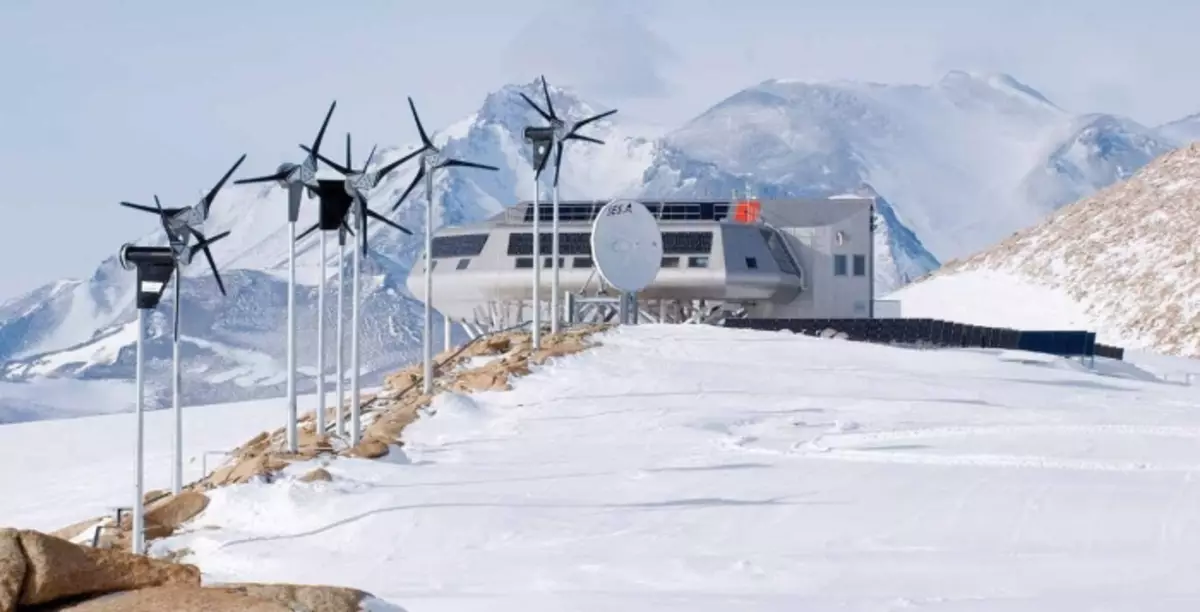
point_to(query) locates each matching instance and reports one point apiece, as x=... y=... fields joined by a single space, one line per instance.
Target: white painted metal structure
x=804 y=258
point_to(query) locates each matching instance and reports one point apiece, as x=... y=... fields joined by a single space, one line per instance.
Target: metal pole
x=427 y=335
x=554 y=313
x=291 y=339
x=321 y=341
x=176 y=378
x=537 y=264
x=355 y=430
x=340 y=425
x=138 y=534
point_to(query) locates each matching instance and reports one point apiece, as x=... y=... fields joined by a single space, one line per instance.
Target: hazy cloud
x=601 y=46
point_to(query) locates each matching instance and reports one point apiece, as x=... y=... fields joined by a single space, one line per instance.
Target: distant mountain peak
x=998 y=81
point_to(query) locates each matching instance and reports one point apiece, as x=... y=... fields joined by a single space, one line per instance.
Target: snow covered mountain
x=1123 y=261
x=968 y=160
x=957 y=165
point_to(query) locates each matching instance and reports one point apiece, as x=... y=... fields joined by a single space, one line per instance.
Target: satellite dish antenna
x=627 y=245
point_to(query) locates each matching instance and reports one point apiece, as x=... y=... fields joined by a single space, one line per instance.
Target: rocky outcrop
x=37 y=569
x=49 y=574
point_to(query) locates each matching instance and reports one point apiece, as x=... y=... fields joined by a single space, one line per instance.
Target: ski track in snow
x=696 y=468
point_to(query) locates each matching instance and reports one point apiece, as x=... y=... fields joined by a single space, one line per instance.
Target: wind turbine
x=180 y=227
x=562 y=133
x=155 y=265
x=297 y=178
x=353 y=199
x=431 y=160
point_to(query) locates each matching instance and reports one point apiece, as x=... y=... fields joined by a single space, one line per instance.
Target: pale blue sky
x=105 y=100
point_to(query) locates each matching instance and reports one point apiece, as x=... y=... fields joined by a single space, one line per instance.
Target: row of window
x=839 y=265
x=586 y=262
x=580 y=243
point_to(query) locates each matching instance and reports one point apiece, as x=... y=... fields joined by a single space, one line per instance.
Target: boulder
x=57 y=569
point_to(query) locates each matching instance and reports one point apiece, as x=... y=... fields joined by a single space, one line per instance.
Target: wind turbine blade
x=388 y=222
x=370 y=158
x=450 y=163
x=141 y=208
x=392 y=166
x=535 y=106
x=349 y=160
x=413 y=185
x=549 y=104
x=316 y=147
x=558 y=163
x=420 y=128
x=202 y=244
x=213 y=264
x=593 y=118
x=583 y=138
x=328 y=162
x=308 y=231
x=208 y=199
x=271 y=178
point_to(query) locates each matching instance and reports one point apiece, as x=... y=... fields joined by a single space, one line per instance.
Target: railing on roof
x=587 y=211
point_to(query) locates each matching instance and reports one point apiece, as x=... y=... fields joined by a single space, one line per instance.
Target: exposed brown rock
x=150 y=497
x=12 y=569
x=176 y=599
x=57 y=569
x=300 y=597
x=369 y=448
x=317 y=475
x=175 y=510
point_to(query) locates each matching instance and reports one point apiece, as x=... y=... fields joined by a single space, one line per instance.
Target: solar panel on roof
x=665 y=211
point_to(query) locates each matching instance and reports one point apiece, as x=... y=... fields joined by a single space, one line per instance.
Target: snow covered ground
x=697 y=468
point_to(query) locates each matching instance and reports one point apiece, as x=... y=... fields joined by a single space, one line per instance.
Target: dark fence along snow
x=934 y=332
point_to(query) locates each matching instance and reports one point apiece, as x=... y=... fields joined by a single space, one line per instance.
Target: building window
x=697 y=262
x=466 y=245
x=462 y=264
x=752 y=263
x=524 y=262
x=670 y=262
x=548 y=262
x=860 y=265
x=582 y=262
x=839 y=265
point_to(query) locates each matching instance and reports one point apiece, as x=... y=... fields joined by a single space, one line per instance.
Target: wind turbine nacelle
x=132 y=256
x=539 y=134
x=288 y=168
